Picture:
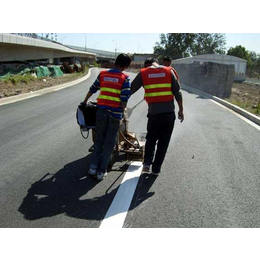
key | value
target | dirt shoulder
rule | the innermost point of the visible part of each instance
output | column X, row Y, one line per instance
column 11, row 89
column 247, row 96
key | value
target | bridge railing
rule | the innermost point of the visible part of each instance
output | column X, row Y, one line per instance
column 36, row 36
column 102, row 53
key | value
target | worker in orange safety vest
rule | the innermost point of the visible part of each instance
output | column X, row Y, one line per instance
column 167, row 63
column 161, row 88
column 114, row 87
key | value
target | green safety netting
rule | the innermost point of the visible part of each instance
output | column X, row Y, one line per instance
column 55, row 71
column 42, row 71
column 10, row 71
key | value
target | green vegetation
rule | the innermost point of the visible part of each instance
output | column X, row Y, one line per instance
column 180, row 45
column 256, row 110
column 246, row 105
column 96, row 64
column 26, row 78
column 16, row 79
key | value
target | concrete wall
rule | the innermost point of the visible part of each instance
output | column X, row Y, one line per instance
column 240, row 64
column 213, row 78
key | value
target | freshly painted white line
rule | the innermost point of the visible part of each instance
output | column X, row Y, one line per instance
column 240, row 116
column 117, row 212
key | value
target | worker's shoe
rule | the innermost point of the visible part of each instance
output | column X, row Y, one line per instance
column 146, row 168
column 155, row 173
column 92, row 172
column 101, row 175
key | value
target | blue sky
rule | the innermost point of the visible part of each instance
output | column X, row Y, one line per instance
column 144, row 42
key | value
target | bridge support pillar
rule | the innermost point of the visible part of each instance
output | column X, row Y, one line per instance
column 56, row 61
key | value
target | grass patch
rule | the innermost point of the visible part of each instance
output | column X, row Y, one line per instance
column 256, row 109
column 246, row 105
column 16, row 79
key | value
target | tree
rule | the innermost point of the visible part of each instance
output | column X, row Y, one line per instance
column 209, row 43
column 240, row 52
column 255, row 64
column 175, row 45
column 180, row 45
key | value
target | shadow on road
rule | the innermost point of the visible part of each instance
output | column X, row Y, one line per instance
column 190, row 92
column 61, row 193
column 142, row 191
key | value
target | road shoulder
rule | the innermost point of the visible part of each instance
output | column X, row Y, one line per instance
column 12, row 99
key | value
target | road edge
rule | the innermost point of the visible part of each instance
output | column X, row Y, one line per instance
column 16, row 98
column 235, row 108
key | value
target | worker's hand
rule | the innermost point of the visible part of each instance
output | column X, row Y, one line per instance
column 181, row 116
column 82, row 105
column 125, row 115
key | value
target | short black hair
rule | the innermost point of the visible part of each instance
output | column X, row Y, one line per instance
column 123, row 60
column 150, row 61
column 167, row 58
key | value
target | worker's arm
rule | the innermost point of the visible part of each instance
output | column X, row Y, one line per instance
column 178, row 96
column 89, row 94
column 137, row 83
column 125, row 93
column 93, row 89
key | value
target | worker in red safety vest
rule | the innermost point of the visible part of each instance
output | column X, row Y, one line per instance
column 115, row 90
column 167, row 63
column 161, row 88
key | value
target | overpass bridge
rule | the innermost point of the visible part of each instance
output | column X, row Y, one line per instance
column 101, row 55
column 15, row 48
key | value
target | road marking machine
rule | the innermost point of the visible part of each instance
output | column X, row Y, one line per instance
column 129, row 143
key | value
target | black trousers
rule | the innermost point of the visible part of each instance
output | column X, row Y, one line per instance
column 159, row 131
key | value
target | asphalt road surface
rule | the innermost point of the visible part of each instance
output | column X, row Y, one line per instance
column 210, row 177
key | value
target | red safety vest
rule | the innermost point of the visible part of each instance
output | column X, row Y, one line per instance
column 175, row 73
column 157, row 84
column 110, row 88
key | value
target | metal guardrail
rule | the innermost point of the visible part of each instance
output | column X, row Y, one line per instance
column 100, row 53
column 36, row 36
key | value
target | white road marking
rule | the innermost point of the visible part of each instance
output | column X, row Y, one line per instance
column 117, row 212
column 240, row 116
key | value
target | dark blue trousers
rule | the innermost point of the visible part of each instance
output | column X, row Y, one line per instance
column 159, row 131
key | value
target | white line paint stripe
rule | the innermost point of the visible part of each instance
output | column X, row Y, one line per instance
column 117, row 212
column 240, row 116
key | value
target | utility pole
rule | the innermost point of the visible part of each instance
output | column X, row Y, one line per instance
column 116, row 47
column 85, row 41
column 138, row 46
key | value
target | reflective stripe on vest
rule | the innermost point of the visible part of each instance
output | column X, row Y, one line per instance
column 110, row 88
column 157, row 84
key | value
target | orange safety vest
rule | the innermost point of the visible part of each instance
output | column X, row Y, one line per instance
column 175, row 73
column 157, row 84
column 110, row 88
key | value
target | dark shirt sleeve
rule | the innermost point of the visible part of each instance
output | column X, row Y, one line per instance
column 176, row 88
column 95, row 86
column 137, row 83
